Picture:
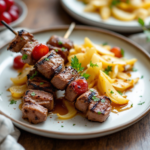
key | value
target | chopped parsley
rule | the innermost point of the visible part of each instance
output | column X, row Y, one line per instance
column 74, row 124
column 91, row 90
column 46, row 59
column 111, row 92
column 114, row 3
column 128, row 79
column 21, row 38
column 41, row 83
column 95, row 98
column 131, row 105
column 13, row 102
column 24, row 57
column 33, row 94
column 99, row 112
column 141, row 103
column 134, row 70
column 34, row 75
column 30, row 42
column 76, row 65
column 56, row 50
column 93, row 65
column 63, row 49
column 108, row 69
column 142, row 77
column 120, row 92
column 62, row 126
column 105, row 43
column 20, row 73
column 141, row 96
column 122, row 52
column 103, row 100
column 60, row 43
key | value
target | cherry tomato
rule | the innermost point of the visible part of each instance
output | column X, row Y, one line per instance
column 15, row 8
column 2, row 6
column 80, row 86
column 14, row 15
column 6, row 17
column 9, row 3
column 117, row 52
column 39, row 51
column 18, row 63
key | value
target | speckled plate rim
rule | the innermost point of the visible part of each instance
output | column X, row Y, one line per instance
column 115, row 35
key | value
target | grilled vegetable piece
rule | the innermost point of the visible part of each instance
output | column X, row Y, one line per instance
column 34, row 112
column 71, row 92
column 42, row 98
column 36, row 81
column 63, row 52
column 20, row 40
column 99, row 110
column 59, row 41
column 27, row 52
column 84, row 100
column 50, row 64
column 61, row 80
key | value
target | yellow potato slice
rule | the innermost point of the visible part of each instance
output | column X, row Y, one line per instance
column 99, row 3
column 71, row 111
column 123, row 76
column 141, row 13
column 89, row 8
column 105, row 12
column 22, row 78
column 106, row 87
column 18, row 91
column 122, row 15
column 114, row 72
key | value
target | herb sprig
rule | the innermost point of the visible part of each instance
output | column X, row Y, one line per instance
column 93, row 65
column 13, row 102
column 108, row 69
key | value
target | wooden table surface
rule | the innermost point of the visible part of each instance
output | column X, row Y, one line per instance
column 47, row 13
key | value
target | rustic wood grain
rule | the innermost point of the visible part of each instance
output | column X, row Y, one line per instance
column 47, row 13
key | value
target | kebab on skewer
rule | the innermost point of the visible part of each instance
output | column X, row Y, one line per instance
column 38, row 102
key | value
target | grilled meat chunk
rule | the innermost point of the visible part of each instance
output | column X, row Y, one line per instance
column 34, row 112
column 50, row 64
column 70, row 93
column 63, row 52
column 58, row 41
column 36, row 81
column 61, row 80
column 99, row 110
column 20, row 40
column 42, row 98
column 84, row 100
column 27, row 50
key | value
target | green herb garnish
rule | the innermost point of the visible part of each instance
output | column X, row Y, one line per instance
column 24, row 57
column 133, row 69
column 105, row 43
column 114, row 3
column 74, row 124
column 108, row 69
column 111, row 92
column 34, row 75
column 93, row 65
column 41, row 83
column 120, row 92
column 85, row 75
column 56, row 50
column 99, row 112
column 141, row 103
column 141, row 96
column 62, row 126
column 60, row 43
column 122, row 52
column 46, row 59
column 91, row 90
column 20, row 73
column 103, row 100
column 142, row 77
column 63, row 49
column 95, row 98
column 131, row 105
column 13, row 102
column 33, row 94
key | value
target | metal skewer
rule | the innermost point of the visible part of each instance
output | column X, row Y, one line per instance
column 71, row 27
column 8, row 27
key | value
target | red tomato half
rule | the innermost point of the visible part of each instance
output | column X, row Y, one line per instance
column 117, row 52
column 39, row 51
column 18, row 63
column 9, row 3
column 14, row 15
column 6, row 17
column 2, row 6
column 80, row 86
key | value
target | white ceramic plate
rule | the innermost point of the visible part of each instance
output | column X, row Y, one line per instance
column 23, row 12
column 83, row 128
column 75, row 8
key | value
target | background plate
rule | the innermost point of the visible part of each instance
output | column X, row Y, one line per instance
column 83, row 128
column 75, row 8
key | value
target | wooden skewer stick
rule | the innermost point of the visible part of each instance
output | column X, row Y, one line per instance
column 69, row 30
column 8, row 27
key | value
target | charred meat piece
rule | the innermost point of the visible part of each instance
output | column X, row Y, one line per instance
column 50, row 64
column 36, row 81
column 61, row 80
column 27, row 50
column 42, row 98
column 99, row 110
column 58, row 41
column 71, row 92
column 84, row 100
column 63, row 52
column 34, row 112
column 20, row 40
